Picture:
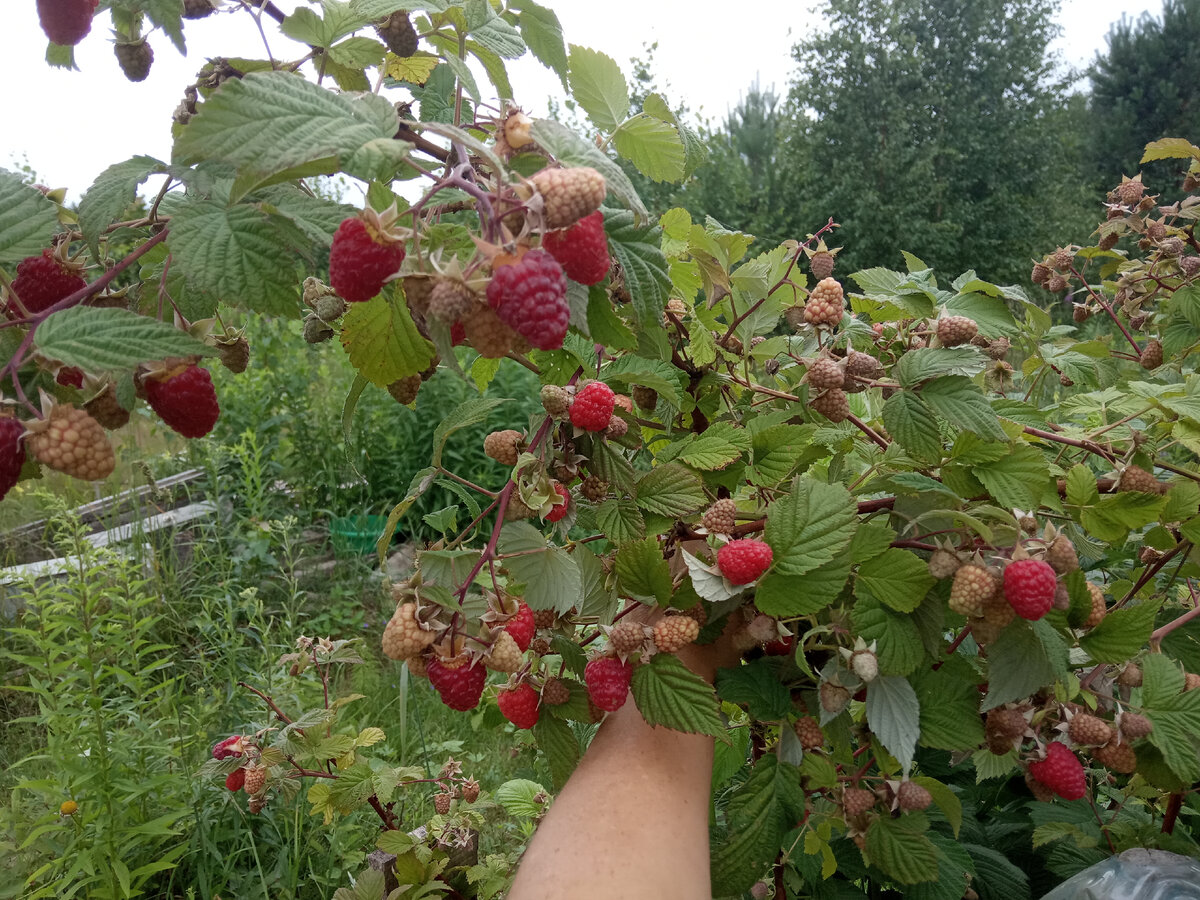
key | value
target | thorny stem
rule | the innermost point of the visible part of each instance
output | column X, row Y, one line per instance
column 1136, row 415
column 279, row 713
column 1108, row 309
column 867, row 430
column 1089, row 446
column 472, row 485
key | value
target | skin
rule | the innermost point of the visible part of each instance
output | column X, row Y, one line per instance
column 632, row 820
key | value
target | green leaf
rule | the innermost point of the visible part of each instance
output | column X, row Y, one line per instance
column 103, row 340
column 899, row 848
column 949, row 707
column 656, row 374
column 111, row 194
column 996, row 877
column 945, row 799
column 957, row 400
column 668, row 693
column 719, row 445
column 759, row 814
column 870, row 540
column 756, row 684
column 598, row 86
column 317, row 217
column 810, row 526
column 898, row 578
column 472, row 412
column 541, row 30
column 775, row 451
column 1170, row 148
column 670, row 490
column 27, row 219
column 893, row 715
column 1175, row 714
column 654, row 146
column 1081, row 486
column 912, row 423
column 620, row 520
column 898, row 641
column 636, row 248
column 268, row 122
column 557, row 741
column 382, row 340
column 1121, row 634
column 642, row 572
column 549, row 573
column 517, row 798
column 777, row 594
column 1017, row 479
column 493, row 31
column 1018, row 665
column 569, row 148
column 917, row 366
column 236, row 255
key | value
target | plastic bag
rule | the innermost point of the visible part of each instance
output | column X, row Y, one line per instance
column 1134, row 875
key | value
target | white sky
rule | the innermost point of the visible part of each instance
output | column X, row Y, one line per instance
column 69, row 126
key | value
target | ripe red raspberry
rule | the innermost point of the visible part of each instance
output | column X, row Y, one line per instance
column 187, row 402
column 256, row 778
column 955, row 330
column 1061, row 771
column 808, row 732
column 530, row 297
column 519, row 705
column 567, row 194
column 234, row 780
column 744, row 560
column 593, row 406
column 833, row 404
column 607, row 681
column 522, row 626
column 560, row 509
column 582, row 249
column 720, row 517
column 44, row 280
column 66, row 22
column 1029, row 586
column 70, row 441
column 460, row 688
column 1089, row 730
column 825, row 373
column 911, row 796
column 69, row 376
column 825, row 304
column 781, row 646
column 674, row 632
column 972, row 586
column 403, row 636
column 231, row 746
column 12, row 454
column 361, row 260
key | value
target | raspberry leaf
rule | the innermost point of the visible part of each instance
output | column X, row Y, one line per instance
column 642, row 262
column 1175, row 714
column 670, row 490
column 110, row 195
column 898, row 642
column 382, row 340
column 472, row 412
column 894, row 713
column 949, row 702
column 897, row 290
column 620, row 520
column 898, row 578
column 1122, row 633
column 796, row 595
column 1018, row 664
column 653, row 146
column 26, row 217
column 911, row 421
column 651, row 373
column 775, row 452
column 598, row 86
column 901, row 850
column 550, row 574
column 810, row 526
column 642, row 572
column 918, row 366
column 668, row 693
column 555, row 739
column 1017, row 479
column 542, row 32
column 517, row 798
column 958, row 400
column 102, row 340
column 757, row 685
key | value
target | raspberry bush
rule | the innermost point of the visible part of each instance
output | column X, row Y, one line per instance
column 950, row 524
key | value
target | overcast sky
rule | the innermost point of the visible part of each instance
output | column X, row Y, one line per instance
column 69, row 126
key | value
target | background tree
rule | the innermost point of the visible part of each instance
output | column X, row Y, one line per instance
column 1149, row 81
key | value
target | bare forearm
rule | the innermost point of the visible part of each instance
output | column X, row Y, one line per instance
column 632, row 821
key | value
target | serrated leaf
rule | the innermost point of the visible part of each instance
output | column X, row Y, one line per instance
column 899, row 849
column 642, row 572
column 911, row 422
column 598, row 86
column 898, row 578
column 759, row 814
column 775, row 452
column 1018, row 665
column 782, row 595
column 1081, row 486
column 810, row 526
column 668, row 693
column 517, row 798
column 893, row 714
column 556, row 740
column 1016, row 480
column 945, row 799
column 949, row 708
column 1170, row 148
column 383, row 341
column 27, row 219
column 267, row 122
column 636, row 249
column 369, row 737
column 755, row 684
column 656, row 374
column 957, row 400
column 472, row 412
column 670, row 490
column 102, row 340
column 996, row 877
column 917, row 366
column 653, row 146
column 549, row 573
column 1175, row 714
column 898, row 642
column 540, row 28
column 1121, row 634
column 620, row 520
column 569, row 148
column 111, row 194
column 234, row 254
